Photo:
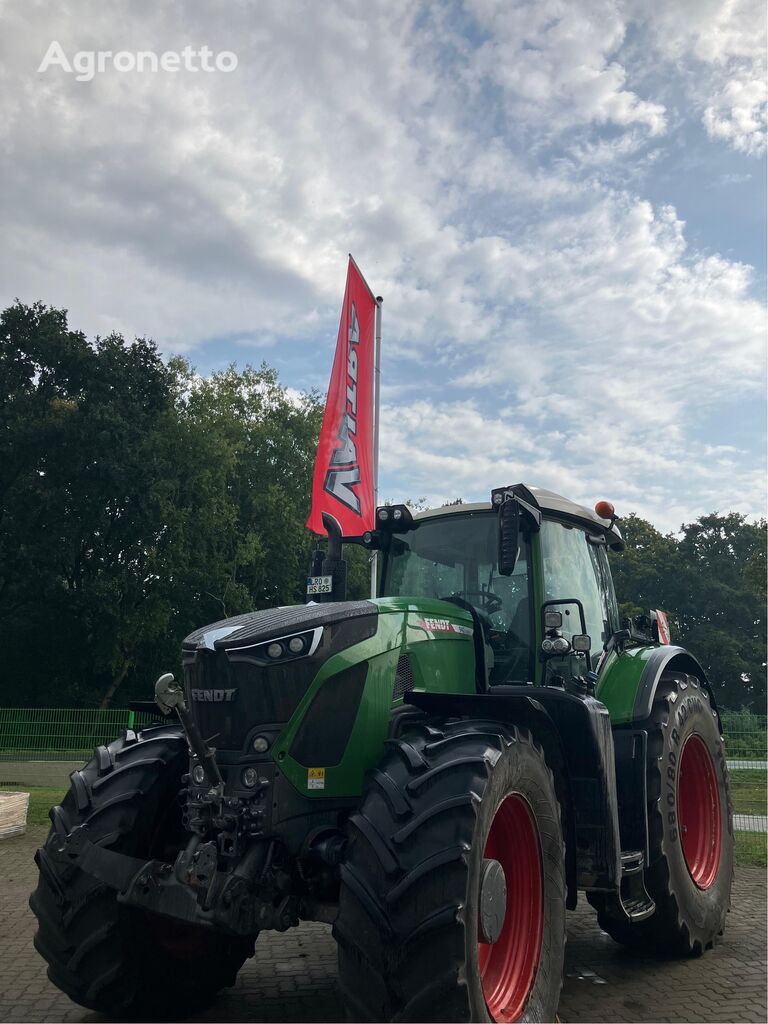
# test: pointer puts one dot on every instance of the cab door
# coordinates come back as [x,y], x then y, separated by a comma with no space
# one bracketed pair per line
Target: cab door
[574,564]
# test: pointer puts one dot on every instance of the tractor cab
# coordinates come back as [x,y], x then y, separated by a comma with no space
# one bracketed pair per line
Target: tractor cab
[534,576]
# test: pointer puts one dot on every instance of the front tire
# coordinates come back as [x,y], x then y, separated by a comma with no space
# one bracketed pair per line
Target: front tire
[451,810]
[690,827]
[115,959]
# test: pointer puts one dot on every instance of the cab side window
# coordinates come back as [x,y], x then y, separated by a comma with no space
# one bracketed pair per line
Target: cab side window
[572,569]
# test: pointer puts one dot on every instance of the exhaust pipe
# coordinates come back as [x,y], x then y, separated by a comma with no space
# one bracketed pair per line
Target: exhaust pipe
[334,564]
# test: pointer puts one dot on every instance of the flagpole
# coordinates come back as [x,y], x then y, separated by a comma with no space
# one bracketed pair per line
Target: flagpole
[376,406]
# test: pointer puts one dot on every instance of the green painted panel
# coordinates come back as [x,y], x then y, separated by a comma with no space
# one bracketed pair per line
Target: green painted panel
[437,635]
[618,680]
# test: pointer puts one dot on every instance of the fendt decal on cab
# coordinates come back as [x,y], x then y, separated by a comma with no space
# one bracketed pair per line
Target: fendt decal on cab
[339,482]
[443,626]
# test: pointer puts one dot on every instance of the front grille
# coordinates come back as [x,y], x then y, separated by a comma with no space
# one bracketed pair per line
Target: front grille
[263,694]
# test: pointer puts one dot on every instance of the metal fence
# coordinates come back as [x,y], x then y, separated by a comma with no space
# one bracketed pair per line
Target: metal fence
[31,736]
[59,734]
[42,746]
[747,754]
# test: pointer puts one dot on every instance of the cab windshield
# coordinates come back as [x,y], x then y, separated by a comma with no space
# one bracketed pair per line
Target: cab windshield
[455,556]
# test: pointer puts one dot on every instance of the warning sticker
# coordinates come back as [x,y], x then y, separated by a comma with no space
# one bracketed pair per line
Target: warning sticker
[315,778]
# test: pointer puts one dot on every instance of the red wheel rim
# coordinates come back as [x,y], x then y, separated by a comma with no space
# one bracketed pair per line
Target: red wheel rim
[508,966]
[698,803]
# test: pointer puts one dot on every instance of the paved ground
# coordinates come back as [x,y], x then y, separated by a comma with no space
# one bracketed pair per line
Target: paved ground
[292,976]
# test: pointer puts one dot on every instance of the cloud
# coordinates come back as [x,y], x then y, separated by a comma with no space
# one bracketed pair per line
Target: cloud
[487,163]
[443,450]
[721,45]
[553,63]
[738,114]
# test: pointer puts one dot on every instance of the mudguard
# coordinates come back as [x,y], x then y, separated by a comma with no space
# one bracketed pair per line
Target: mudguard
[628,679]
[577,740]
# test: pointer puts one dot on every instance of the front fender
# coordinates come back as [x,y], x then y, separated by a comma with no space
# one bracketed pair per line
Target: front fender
[576,736]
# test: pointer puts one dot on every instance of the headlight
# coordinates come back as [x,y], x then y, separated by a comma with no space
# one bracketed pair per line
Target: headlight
[280,649]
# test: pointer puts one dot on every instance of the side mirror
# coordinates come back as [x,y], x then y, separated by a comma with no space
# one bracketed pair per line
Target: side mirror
[513,502]
[509,533]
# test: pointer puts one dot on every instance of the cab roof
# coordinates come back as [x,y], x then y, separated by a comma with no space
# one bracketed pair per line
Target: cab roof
[552,505]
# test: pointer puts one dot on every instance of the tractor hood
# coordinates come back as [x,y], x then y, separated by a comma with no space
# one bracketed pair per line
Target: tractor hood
[251,671]
[245,631]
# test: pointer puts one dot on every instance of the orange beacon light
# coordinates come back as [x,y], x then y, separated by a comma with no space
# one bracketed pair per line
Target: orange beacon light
[605,510]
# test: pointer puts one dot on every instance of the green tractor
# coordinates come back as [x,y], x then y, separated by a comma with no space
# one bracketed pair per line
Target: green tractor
[436,772]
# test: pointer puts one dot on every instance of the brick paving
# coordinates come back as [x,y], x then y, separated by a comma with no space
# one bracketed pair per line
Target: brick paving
[292,976]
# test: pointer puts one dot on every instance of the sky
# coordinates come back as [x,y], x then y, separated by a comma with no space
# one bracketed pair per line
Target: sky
[562,203]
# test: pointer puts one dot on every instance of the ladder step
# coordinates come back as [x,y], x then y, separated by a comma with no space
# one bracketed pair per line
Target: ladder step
[632,862]
[635,900]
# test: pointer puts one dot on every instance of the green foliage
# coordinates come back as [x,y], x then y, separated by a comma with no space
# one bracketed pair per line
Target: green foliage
[711,581]
[137,501]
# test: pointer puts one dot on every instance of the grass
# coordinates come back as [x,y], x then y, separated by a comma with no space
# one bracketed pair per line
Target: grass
[41,799]
[751,848]
[749,793]
[748,790]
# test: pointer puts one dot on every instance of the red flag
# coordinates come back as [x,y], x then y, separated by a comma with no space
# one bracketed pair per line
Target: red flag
[343,483]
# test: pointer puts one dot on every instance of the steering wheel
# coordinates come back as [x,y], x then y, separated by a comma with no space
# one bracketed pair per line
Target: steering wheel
[489,602]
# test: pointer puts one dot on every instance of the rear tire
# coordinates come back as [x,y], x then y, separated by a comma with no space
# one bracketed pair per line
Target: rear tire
[444,804]
[111,958]
[690,827]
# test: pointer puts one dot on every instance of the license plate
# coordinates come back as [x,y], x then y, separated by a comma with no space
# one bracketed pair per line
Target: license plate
[319,584]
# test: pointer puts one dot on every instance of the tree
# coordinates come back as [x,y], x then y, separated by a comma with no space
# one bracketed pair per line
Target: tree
[80,517]
[137,501]
[711,581]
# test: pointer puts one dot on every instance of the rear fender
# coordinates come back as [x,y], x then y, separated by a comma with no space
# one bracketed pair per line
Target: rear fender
[629,680]
[576,737]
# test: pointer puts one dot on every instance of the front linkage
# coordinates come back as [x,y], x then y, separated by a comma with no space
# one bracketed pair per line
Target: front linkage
[260,889]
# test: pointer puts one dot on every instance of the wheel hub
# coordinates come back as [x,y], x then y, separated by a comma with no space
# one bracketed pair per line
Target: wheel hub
[493,901]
